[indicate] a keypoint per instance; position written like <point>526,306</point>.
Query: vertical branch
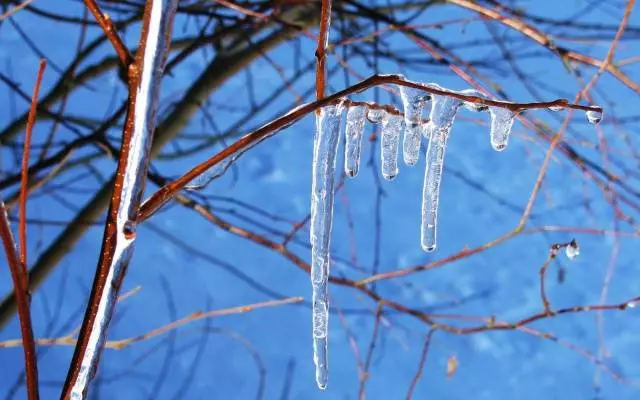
<point>18,264</point>
<point>118,242</point>
<point>24,175</point>
<point>321,56</point>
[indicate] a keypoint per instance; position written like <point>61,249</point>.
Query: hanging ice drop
<point>572,250</point>
<point>413,101</point>
<point>594,117</point>
<point>356,117</point>
<point>501,123</point>
<point>391,127</point>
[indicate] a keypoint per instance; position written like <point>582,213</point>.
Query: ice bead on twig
<point>594,117</point>
<point>356,117</point>
<point>413,101</point>
<point>502,120</point>
<point>443,112</point>
<point>390,133</point>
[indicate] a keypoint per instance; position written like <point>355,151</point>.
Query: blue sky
<point>223,357</point>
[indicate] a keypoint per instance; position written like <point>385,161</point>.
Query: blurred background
<point>234,66</point>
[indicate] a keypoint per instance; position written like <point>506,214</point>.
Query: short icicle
<point>325,149</point>
<point>502,120</point>
<point>356,116</point>
<point>390,133</point>
<point>443,113</point>
<point>413,101</point>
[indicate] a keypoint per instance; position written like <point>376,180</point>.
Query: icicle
<point>443,113</point>
<point>572,250</point>
<point>325,149</point>
<point>501,123</point>
<point>413,101</point>
<point>353,139</point>
<point>391,127</point>
<point>594,117</point>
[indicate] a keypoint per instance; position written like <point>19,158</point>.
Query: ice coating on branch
<point>356,118</point>
<point>594,117</point>
<point>376,115</point>
<point>391,127</point>
<point>325,150</point>
<point>471,106</point>
<point>501,123</point>
<point>443,113</point>
<point>413,102</point>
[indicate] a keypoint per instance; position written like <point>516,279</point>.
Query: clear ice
<point>502,120</point>
<point>413,101</point>
<point>391,127</point>
<point>356,118</point>
<point>443,113</point>
<point>325,150</point>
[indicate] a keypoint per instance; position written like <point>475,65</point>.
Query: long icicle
<point>325,150</point>
<point>443,113</point>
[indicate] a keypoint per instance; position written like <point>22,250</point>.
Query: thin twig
<point>24,177</point>
<point>423,359</point>
<point>321,50</point>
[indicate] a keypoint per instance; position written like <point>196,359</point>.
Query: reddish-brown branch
<point>107,25</point>
<point>362,395</point>
<point>423,359</point>
<point>542,39</point>
<point>168,191</point>
<point>24,177</point>
<point>18,263</point>
<point>321,50</point>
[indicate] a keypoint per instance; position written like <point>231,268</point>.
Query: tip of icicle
<point>429,248</point>
<point>499,146</point>
<point>390,177</point>
<point>322,385</point>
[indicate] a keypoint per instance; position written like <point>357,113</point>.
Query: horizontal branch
<point>168,191</point>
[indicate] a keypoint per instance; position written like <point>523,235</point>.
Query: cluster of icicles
<point>436,129</point>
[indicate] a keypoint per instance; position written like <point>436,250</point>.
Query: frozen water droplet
<point>572,250</point>
<point>556,108</point>
<point>376,115</point>
<point>129,230</point>
<point>501,123</point>
<point>356,117</point>
<point>391,127</point>
<point>632,304</point>
<point>594,117</point>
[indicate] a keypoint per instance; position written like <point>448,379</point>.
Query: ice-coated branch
<point>168,191</point>
<point>325,150</point>
<point>145,76</point>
